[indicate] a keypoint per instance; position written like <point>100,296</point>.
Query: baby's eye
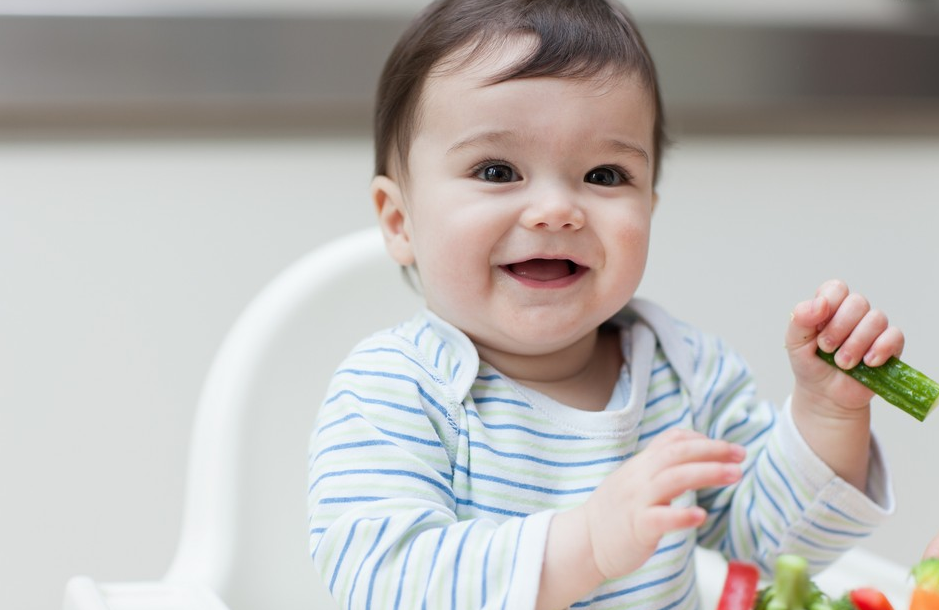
<point>606,176</point>
<point>496,172</point>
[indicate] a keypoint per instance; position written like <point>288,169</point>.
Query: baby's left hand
<point>838,319</point>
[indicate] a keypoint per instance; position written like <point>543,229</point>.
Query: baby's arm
<point>619,526</point>
<point>830,409</point>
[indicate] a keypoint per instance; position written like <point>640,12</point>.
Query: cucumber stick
<point>896,382</point>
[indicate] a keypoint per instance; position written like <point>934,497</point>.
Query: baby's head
<point>517,147</point>
<point>575,39</point>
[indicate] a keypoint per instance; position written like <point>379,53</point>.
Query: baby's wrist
<point>818,405</point>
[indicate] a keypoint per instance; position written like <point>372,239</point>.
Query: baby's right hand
<point>630,511</point>
<point>932,549</point>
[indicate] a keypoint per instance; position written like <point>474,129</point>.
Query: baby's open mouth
<point>544,269</point>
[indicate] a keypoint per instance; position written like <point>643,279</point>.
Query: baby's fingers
<point>678,446</point>
<point>809,317</point>
<point>888,343</point>
<point>870,338</point>
<point>676,480</point>
<point>660,520</point>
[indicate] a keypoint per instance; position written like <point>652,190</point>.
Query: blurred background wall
<point>159,162</point>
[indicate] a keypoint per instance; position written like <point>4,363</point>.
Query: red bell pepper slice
<point>740,586</point>
<point>867,598</point>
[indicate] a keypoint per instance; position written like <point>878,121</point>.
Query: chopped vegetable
<point>896,382</point>
<point>867,598</point>
<point>924,599</point>
<point>926,573</point>
<point>792,589</point>
<point>740,586</point>
<point>926,585</point>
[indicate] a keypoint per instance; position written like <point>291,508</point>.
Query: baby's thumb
<point>804,323</point>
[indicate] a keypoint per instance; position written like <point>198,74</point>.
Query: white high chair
<point>243,544</point>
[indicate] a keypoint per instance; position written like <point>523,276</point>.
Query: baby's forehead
<point>494,53</point>
<point>496,59</point>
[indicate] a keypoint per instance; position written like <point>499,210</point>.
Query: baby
<point>538,437</point>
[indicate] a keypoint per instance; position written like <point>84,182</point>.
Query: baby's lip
<point>545,269</point>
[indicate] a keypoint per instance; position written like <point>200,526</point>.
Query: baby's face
<point>527,205</point>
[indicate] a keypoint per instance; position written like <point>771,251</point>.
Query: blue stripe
<point>752,522</point>
<point>433,564</point>
<point>508,401</point>
<point>533,432</point>
<point>404,567</point>
<point>342,555</point>
<point>785,480</point>
<point>356,445</point>
<point>399,377</point>
<point>732,427</point>
<point>717,376</point>
<point>684,596</point>
<point>838,532</point>
<point>456,563</point>
<point>490,509</point>
<point>374,401</point>
<point>420,333</point>
<point>755,435</point>
<point>773,540</point>
<point>393,350</point>
<point>639,587</point>
<point>358,572</point>
<point>537,460</point>
<point>508,586</point>
<point>381,560</point>
<point>769,497</point>
<point>341,420</point>
<point>431,442</point>
<point>662,367</point>
<point>351,499</point>
<point>733,388</point>
<point>654,401</point>
<point>670,424</point>
<point>815,544</point>
<point>485,583</point>
<point>385,471</point>
<point>848,517</point>
<point>476,475</point>
<point>671,547</point>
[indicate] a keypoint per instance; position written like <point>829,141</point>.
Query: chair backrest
<point>245,524</point>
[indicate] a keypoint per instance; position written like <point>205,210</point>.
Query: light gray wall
<point>123,262</point>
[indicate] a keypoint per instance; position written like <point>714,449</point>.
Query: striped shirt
<point>433,477</point>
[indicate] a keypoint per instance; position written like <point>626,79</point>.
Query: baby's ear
<point>393,220</point>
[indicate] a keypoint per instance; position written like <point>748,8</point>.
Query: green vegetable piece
<point>792,589</point>
<point>896,382</point>
<point>926,573</point>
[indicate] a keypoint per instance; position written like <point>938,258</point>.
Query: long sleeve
<point>384,525</point>
<point>789,500</point>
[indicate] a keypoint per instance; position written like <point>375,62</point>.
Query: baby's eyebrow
<point>483,138</point>
<point>619,146</point>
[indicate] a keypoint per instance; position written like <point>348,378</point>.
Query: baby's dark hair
<point>578,39</point>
